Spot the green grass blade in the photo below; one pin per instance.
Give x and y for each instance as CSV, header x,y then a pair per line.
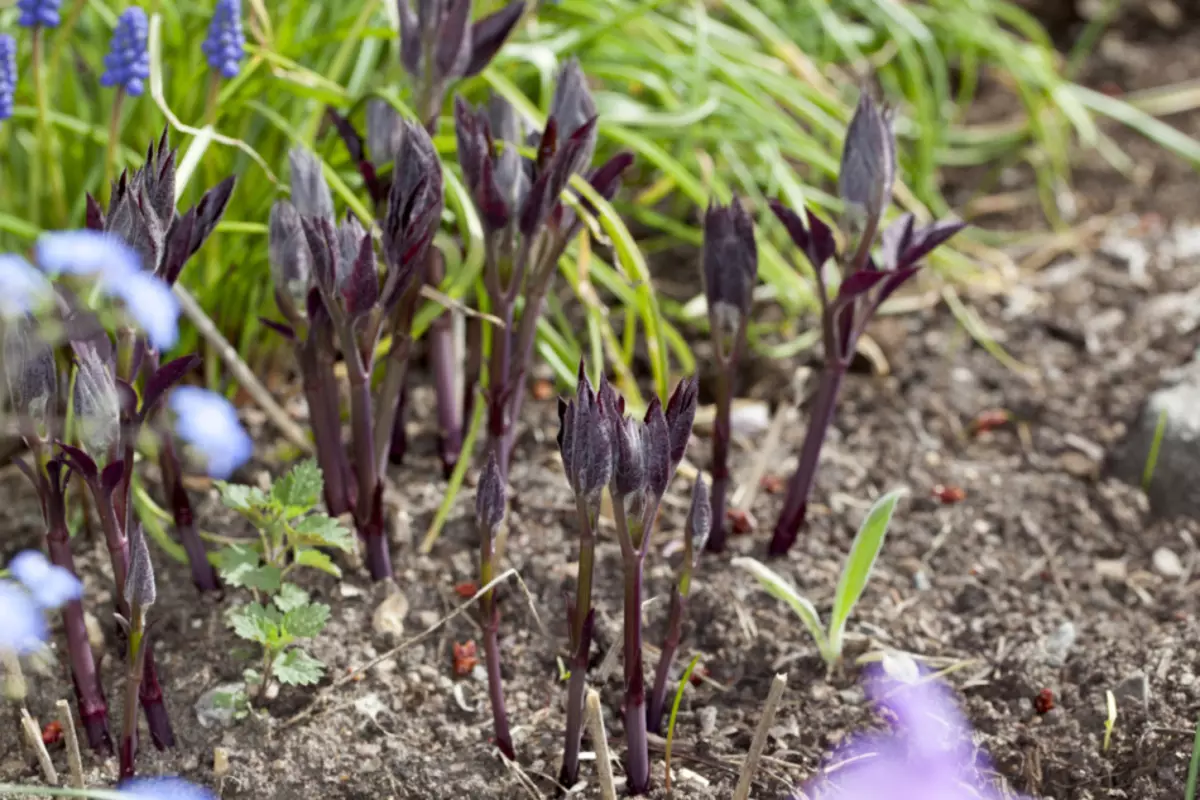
x,y
861,560
683,682
777,586
1160,429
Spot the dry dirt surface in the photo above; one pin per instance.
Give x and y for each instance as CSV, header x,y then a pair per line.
x,y
1040,581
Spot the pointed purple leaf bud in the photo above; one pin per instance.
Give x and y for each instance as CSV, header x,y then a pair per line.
x,y
384,131
681,415
927,239
414,203
164,379
816,240
410,38
288,253
730,265
895,241
349,242
606,178
94,220
310,191
360,288
573,107
699,518
452,53
489,34
140,587
657,444
322,246
629,474
470,132
868,166
544,195
30,375
490,497
585,440
97,405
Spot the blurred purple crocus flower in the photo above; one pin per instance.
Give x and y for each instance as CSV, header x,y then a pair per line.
x,y
209,423
127,65
928,756
39,13
225,45
146,297
39,587
164,788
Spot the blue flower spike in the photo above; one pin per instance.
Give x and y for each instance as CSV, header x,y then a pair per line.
x,y
127,65
39,13
209,424
8,75
225,45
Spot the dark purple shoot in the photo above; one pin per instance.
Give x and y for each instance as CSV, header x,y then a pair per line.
x,y
490,503
867,173
526,226
695,533
139,594
586,446
730,270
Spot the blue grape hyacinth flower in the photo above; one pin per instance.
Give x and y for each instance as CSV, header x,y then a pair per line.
x,y
225,45
209,424
127,65
8,75
39,13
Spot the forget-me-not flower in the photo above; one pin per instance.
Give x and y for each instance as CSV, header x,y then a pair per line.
x,y
127,65
209,423
39,13
51,586
165,788
152,303
23,288
8,75
225,45
24,627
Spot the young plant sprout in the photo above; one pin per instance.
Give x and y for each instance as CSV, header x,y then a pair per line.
x,y
867,545
695,533
139,594
645,455
585,443
730,271
490,502
526,226
868,169
329,288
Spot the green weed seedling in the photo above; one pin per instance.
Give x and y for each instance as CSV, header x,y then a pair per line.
x,y
290,536
866,548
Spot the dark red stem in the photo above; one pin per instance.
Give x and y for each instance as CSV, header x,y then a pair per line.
x,y
399,445
795,506
320,392
443,358
637,757
375,541
150,695
568,776
658,697
722,431
491,652
203,575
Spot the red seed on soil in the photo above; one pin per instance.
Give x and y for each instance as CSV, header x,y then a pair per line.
x,y
465,658
1044,701
990,420
466,589
742,521
698,675
771,484
948,495
52,733
543,390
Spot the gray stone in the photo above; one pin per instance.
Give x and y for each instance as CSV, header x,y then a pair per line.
x,y
1174,490
1057,646
1134,689
216,707
1166,563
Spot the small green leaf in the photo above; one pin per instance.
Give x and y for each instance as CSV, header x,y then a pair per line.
x,y
322,530
297,668
234,561
266,578
776,585
863,552
290,597
318,560
242,498
306,621
300,489
255,622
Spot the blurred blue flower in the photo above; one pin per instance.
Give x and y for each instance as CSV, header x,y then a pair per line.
x,y
127,64
164,789
929,756
152,303
85,252
39,12
24,627
8,74
225,45
23,288
209,423
50,586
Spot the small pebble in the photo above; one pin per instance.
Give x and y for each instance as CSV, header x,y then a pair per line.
x,y
1167,563
1134,689
1057,646
220,762
388,619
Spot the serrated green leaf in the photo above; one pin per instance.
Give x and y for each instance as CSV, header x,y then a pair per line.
x,y
300,489
235,561
318,560
779,587
242,498
306,621
863,552
265,578
322,530
297,668
255,622
290,597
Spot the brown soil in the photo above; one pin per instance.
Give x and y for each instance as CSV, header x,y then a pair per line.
x,y
978,586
